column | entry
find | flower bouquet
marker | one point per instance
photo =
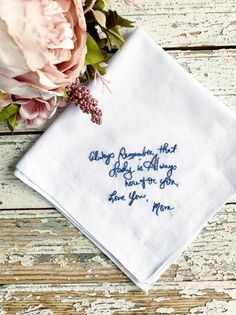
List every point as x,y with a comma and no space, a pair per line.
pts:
50,50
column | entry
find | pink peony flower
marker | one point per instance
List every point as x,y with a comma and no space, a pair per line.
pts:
5,99
35,112
43,46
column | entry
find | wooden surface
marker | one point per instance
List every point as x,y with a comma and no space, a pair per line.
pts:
48,267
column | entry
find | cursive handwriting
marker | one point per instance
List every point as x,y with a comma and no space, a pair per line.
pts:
96,156
113,197
140,170
166,148
158,207
123,154
143,182
135,196
122,168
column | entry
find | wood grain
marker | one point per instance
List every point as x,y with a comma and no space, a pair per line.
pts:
175,7
47,264
41,246
185,22
47,267
184,298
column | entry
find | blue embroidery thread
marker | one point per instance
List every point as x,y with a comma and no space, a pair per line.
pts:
128,166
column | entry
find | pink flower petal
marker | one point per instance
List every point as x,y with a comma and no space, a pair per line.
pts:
32,109
27,27
23,89
12,62
38,121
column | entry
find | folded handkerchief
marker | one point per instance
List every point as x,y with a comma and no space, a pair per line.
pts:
143,184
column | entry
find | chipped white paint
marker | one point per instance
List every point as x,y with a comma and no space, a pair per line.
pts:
231,307
165,310
106,307
79,305
217,299
122,288
35,310
189,292
2,312
68,299
80,287
61,260
24,260
44,232
177,7
2,298
211,308
210,257
101,261
161,299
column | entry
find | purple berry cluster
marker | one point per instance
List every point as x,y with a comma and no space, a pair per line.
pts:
80,95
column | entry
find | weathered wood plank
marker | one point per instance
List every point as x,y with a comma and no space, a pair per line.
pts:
41,246
47,267
184,23
214,69
184,298
190,30
175,7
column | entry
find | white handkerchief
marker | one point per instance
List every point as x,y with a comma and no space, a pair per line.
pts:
143,184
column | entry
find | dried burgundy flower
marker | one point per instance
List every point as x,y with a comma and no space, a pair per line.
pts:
80,95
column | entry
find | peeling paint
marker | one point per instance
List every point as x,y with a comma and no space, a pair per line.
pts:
25,260
44,232
161,299
2,312
102,261
211,308
35,310
61,260
190,292
165,310
106,307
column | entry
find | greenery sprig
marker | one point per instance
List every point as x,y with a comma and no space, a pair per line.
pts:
104,37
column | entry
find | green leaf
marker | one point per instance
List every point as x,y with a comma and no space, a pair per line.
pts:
94,54
113,19
100,69
125,22
8,111
116,33
100,17
100,5
64,93
11,122
114,37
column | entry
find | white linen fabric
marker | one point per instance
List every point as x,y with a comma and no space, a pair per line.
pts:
143,184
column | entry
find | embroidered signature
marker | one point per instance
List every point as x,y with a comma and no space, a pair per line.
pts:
138,171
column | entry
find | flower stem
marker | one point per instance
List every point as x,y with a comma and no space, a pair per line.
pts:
90,6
